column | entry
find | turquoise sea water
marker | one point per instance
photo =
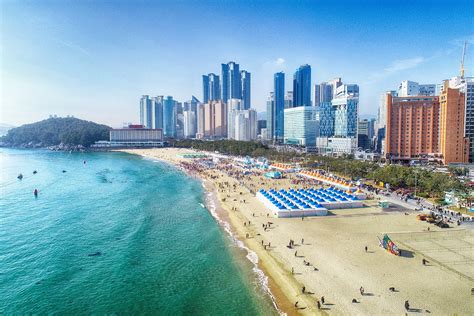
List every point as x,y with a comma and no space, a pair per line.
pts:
117,235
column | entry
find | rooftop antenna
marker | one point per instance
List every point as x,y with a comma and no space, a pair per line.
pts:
462,60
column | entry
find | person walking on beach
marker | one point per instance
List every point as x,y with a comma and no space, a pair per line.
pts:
302,241
366,248
296,253
361,290
318,304
407,305
296,304
303,289
322,299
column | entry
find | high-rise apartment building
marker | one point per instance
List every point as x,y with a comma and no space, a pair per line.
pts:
146,112
278,106
211,87
235,81
189,130
205,88
245,77
270,116
301,126
412,128
224,82
215,119
453,145
200,121
157,107
244,125
302,86
169,117
466,85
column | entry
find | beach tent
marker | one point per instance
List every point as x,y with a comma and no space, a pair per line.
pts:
273,175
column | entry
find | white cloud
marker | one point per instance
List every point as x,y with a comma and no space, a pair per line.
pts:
397,66
279,61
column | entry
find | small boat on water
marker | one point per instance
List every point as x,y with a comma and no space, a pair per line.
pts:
64,171
20,176
35,172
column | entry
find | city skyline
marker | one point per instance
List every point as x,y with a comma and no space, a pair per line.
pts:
92,62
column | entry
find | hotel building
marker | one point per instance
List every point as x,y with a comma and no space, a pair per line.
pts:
454,146
412,126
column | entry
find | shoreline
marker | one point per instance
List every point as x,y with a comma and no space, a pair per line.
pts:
266,269
333,245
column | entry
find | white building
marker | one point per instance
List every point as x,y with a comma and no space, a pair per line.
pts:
466,85
190,129
336,145
301,126
242,124
412,88
136,137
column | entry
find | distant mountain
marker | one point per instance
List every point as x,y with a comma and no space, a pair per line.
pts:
68,131
4,128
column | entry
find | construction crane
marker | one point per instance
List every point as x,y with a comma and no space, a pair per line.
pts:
462,60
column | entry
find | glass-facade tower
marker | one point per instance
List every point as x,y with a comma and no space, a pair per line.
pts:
245,77
169,117
302,86
279,106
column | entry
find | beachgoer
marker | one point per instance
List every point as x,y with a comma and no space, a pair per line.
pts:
407,305
292,270
322,299
296,253
303,289
361,290
318,304
366,248
302,241
296,304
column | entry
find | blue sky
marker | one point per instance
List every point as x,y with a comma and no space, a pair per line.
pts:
94,59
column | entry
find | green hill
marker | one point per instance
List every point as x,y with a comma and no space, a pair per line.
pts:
68,131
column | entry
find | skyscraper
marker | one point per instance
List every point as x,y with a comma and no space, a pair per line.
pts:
157,106
245,77
235,84
271,116
302,86
211,87
146,112
224,82
327,115
169,117
205,88
347,110
278,106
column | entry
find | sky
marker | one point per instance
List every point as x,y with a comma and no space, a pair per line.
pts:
94,59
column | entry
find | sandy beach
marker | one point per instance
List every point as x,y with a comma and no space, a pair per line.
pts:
337,264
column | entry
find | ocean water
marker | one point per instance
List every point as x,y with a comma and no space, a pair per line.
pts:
117,235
